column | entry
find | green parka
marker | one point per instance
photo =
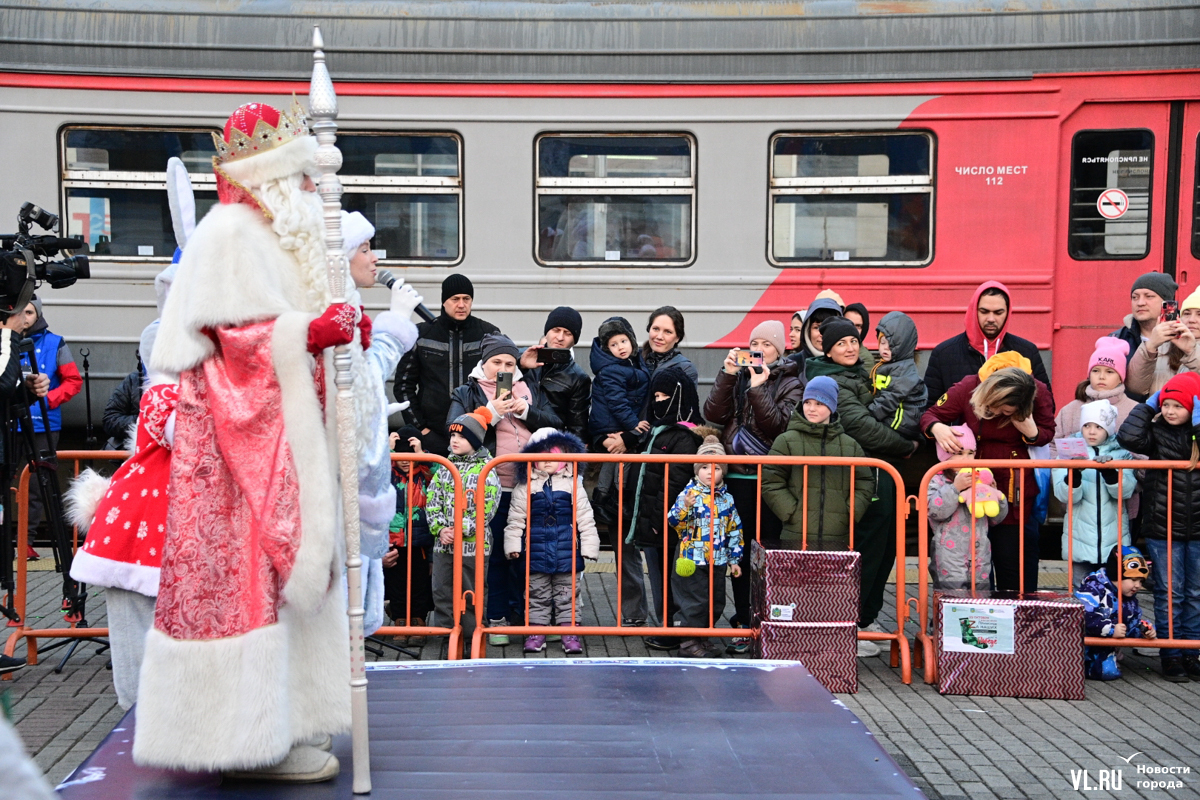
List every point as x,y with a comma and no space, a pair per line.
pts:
828,487
877,439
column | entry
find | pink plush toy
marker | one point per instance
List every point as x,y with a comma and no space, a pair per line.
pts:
986,499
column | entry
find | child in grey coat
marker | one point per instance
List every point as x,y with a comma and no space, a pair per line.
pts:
900,394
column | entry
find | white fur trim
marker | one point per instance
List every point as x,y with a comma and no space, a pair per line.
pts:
233,273
378,510
214,705
100,571
286,159
319,666
316,564
83,497
393,324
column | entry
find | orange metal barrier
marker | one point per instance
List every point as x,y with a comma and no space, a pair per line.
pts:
22,629
408,629
925,645
900,654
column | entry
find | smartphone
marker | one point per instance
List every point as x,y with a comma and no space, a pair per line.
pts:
1170,311
504,382
553,355
748,358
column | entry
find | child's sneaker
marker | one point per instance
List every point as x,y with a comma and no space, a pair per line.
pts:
712,649
572,644
738,647
692,648
535,643
497,639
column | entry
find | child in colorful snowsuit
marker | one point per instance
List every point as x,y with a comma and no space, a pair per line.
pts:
691,517
1095,524
409,542
550,500
1098,593
469,456
952,521
900,396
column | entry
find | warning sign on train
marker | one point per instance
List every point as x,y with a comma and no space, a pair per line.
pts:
1113,204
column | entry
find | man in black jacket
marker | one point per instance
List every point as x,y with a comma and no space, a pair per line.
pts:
986,335
566,385
447,350
1146,301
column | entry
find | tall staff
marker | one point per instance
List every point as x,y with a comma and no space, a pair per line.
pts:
323,110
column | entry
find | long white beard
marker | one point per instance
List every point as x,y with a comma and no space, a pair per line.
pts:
299,223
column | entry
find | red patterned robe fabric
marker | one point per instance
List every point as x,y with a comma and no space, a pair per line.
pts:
233,526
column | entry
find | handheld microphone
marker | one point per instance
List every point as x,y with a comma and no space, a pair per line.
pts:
385,278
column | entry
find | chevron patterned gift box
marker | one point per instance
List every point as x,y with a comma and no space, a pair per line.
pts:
1007,645
827,649
803,585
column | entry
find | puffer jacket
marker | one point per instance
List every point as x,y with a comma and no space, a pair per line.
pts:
645,494
995,441
1146,432
653,362
699,529
854,396
828,487
619,391
1094,521
446,352
900,394
439,501
764,410
569,390
121,412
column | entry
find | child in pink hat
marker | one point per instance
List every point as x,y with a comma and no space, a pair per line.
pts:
1105,380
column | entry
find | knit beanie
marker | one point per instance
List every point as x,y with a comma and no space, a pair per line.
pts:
834,329
565,317
356,229
1183,389
457,283
966,438
824,390
1111,352
496,344
1133,564
711,447
613,326
772,330
1100,412
405,433
473,426
1191,301
1160,283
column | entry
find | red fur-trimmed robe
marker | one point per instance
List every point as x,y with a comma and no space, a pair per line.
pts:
249,652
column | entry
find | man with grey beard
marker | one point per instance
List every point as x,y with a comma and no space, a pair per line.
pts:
246,668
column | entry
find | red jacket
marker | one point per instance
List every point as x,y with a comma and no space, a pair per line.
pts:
996,441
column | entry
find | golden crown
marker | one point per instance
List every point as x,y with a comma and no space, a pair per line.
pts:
250,131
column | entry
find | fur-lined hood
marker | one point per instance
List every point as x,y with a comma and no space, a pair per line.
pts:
545,440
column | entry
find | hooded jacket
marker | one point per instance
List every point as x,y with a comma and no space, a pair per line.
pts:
963,355
619,391
900,394
854,395
1094,523
828,488
542,502
807,348
763,410
1146,432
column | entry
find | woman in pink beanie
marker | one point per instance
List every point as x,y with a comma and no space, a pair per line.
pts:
1105,381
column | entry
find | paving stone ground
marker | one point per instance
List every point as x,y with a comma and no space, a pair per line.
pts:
953,747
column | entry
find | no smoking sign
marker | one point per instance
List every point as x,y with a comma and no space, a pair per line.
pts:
1113,204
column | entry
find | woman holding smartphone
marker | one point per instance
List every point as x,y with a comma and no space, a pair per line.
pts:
1169,350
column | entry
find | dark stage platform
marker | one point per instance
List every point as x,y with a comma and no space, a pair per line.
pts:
596,728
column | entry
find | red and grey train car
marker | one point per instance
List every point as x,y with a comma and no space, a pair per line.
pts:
727,158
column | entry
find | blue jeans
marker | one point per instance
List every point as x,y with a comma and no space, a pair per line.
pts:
505,578
1185,586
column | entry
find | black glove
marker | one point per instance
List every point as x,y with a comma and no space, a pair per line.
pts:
1110,476
1076,478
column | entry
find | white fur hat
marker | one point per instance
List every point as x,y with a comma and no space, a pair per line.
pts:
356,229
1102,413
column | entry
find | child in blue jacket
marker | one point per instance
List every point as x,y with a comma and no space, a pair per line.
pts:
1099,594
618,388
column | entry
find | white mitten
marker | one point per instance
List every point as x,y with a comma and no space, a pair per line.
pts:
404,299
396,408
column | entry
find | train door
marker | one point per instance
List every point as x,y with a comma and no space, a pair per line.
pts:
1120,217
1185,128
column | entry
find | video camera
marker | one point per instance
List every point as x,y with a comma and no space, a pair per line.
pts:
25,260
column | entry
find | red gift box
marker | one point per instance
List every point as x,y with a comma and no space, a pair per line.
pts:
828,649
1007,645
803,585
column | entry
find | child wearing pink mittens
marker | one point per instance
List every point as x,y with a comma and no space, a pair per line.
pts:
952,522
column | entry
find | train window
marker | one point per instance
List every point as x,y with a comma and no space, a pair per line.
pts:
857,198
1110,194
410,187
616,199
114,187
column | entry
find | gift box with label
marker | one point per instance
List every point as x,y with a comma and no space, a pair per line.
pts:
803,585
1004,644
828,649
